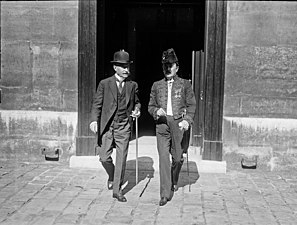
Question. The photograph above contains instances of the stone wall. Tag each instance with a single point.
(260, 101)
(39, 63)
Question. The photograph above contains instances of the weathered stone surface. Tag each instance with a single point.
(260, 81)
(24, 133)
(20, 21)
(269, 107)
(68, 79)
(66, 24)
(70, 102)
(16, 64)
(39, 74)
(251, 28)
(39, 66)
(286, 25)
(261, 71)
(273, 140)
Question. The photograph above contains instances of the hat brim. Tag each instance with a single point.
(121, 62)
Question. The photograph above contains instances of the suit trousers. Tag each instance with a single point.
(119, 134)
(169, 139)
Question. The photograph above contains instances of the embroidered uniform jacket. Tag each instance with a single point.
(182, 98)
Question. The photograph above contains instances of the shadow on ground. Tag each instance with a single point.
(145, 170)
(189, 174)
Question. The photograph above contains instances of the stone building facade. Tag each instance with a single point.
(39, 61)
(260, 97)
(38, 79)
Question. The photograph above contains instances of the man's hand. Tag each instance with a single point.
(183, 125)
(161, 112)
(135, 113)
(94, 127)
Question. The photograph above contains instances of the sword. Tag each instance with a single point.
(136, 136)
(189, 180)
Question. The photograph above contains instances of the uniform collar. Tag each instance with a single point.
(171, 79)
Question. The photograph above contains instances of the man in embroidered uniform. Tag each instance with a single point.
(172, 105)
(115, 103)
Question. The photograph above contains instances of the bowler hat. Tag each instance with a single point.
(121, 57)
(169, 56)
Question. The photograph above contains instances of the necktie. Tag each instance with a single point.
(169, 104)
(120, 86)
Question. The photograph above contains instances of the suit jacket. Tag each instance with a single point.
(105, 102)
(182, 98)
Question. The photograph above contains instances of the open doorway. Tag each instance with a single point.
(145, 29)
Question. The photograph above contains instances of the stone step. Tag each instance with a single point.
(148, 159)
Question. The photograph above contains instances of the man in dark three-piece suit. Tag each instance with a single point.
(115, 104)
(172, 105)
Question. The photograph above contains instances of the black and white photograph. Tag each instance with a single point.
(148, 112)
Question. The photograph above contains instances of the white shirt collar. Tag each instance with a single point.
(118, 77)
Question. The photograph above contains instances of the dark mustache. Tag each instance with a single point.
(167, 68)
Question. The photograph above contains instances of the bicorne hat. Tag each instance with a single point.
(169, 56)
(121, 57)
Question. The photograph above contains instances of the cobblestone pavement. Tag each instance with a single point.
(45, 194)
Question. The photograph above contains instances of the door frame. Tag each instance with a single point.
(215, 52)
(215, 45)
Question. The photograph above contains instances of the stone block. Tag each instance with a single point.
(26, 20)
(16, 64)
(288, 7)
(41, 22)
(244, 56)
(15, 24)
(252, 6)
(66, 21)
(68, 50)
(45, 64)
(256, 63)
(15, 98)
(68, 74)
(269, 107)
(70, 100)
(252, 28)
(287, 23)
(46, 98)
(238, 80)
(276, 62)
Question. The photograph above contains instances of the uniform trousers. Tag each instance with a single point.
(169, 142)
(119, 134)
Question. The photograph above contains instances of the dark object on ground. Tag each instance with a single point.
(249, 163)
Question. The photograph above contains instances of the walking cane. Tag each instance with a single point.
(188, 170)
(136, 136)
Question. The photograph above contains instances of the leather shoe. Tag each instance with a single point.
(163, 201)
(109, 185)
(119, 197)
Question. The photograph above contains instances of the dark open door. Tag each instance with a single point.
(93, 45)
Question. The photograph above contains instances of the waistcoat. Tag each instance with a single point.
(121, 113)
